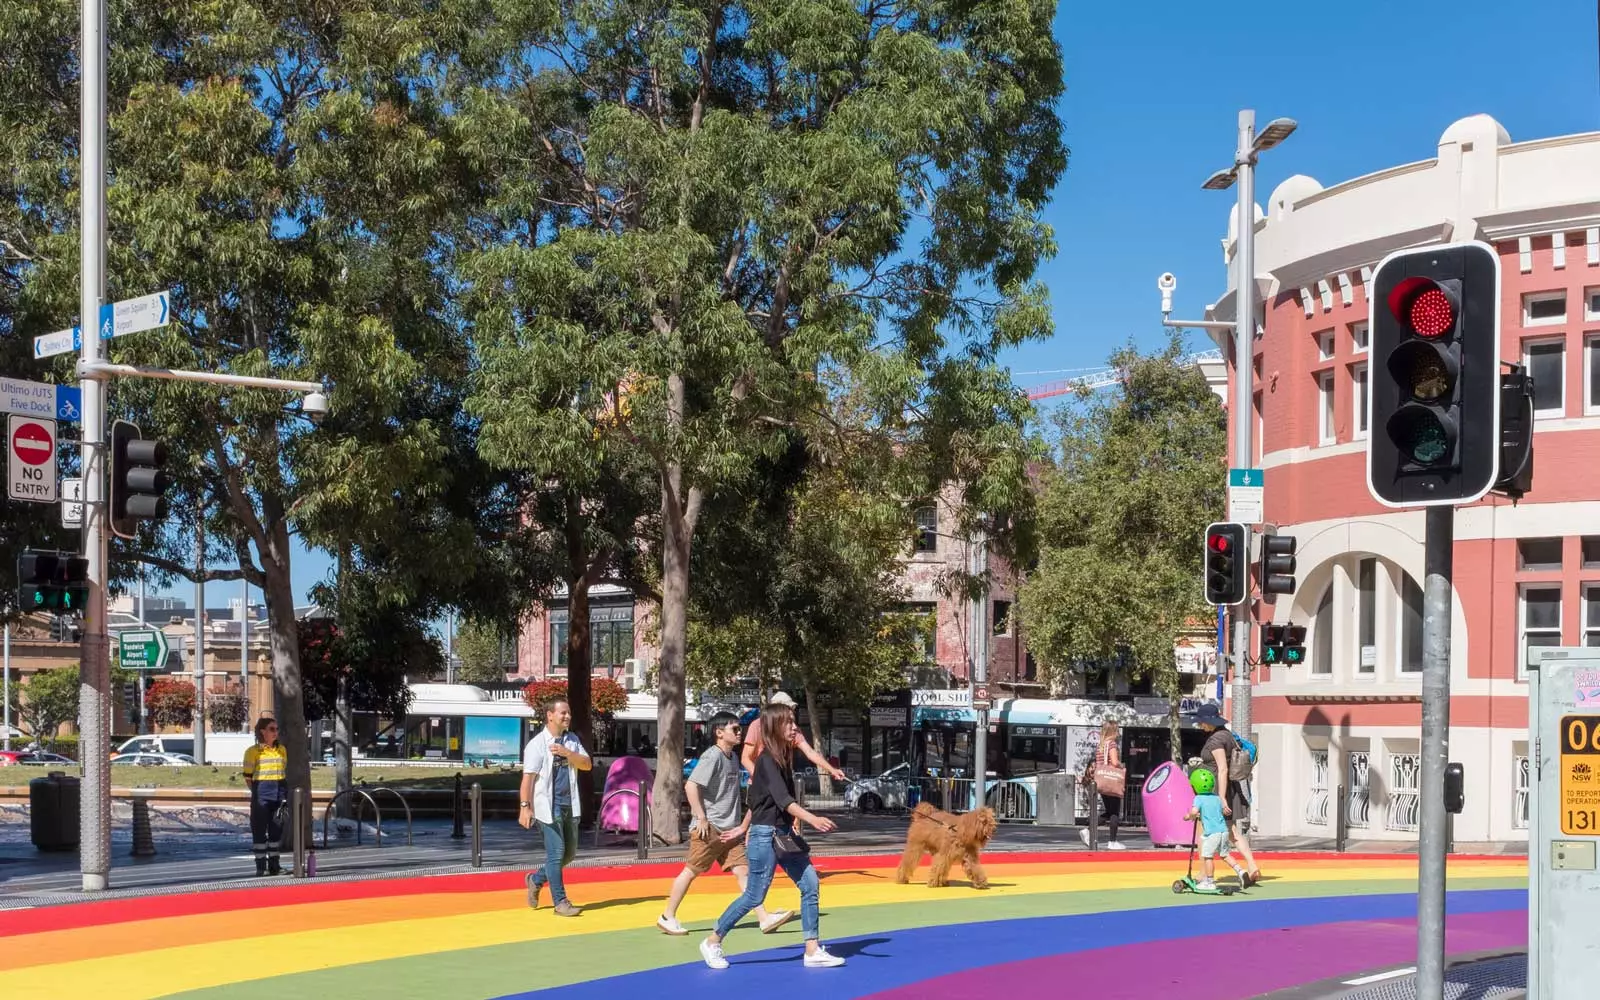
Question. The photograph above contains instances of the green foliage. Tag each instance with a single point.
(371, 646)
(481, 648)
(170, 702)
(48, 699)
(1140, 473)
(228, 712)
(606, 695)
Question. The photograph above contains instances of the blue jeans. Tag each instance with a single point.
(560, 847)
(764, 861)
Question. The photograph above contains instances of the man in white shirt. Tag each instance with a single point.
(550, 765)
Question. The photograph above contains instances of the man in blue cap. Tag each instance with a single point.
(1214, 756)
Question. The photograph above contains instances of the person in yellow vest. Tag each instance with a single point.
(266, 771)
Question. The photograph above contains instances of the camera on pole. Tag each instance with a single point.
(138, 482)
(1435, 403)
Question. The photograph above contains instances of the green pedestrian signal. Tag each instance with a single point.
(52, 581)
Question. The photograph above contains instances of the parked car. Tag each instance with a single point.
(886, 791)
(154, 759)
(8, 757)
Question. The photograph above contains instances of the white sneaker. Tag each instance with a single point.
(712, 953)
(670, 925)
(1207, 884)
(777, 920)
(1116, 845)
(820, 959)
(1083, 835)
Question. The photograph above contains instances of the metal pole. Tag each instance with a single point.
(244, 647)
(450, 649)
(144, 675)
(981, 630)
(199, 665)
(1244, 397)
(94, 851)
(1222, 656)
(477, 824)
(1439, 560)
(5, 737)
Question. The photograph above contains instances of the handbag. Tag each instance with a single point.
(1110, 781)
(787, 842)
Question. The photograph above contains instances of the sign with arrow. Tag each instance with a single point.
(41, 399)
(60, 342)
(146, 312)
(1247, 496)
(143, 649)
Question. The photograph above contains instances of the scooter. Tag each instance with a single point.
(1191, 884)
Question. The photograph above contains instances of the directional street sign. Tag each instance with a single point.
(60, 342)
(133, 315)
(143, 649)
(40, 399)
(1246, 496)
(31, 459)
(72, 503)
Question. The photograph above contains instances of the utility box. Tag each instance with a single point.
(1564, 824)
(53, 811)
(1056, 800)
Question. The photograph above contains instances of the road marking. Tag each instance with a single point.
(1379, 977)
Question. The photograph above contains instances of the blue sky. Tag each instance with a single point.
(1150, 109)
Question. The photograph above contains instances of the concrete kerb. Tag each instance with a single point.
(1484, 975)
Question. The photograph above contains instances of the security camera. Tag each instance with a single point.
(314, 406)
(1168, 282)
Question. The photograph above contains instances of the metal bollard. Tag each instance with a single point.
(644, 821)
(297, 817)
(477, 825)
(456, 832)
(1094, 820)
(1339, 821)
(143, 843)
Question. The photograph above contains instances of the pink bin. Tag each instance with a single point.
(1167, 797)
(619, 799)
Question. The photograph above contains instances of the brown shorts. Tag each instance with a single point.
(1240, 804)
(712, 849)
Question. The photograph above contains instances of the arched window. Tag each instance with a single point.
(1410, 625)
(1322, 635)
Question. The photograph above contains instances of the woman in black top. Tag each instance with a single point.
(772, 841)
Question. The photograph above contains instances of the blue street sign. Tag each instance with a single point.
(1245, 477)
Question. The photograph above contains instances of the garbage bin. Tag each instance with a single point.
(53, 811)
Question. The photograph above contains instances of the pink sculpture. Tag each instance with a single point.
(1167, 797)
(619, 799)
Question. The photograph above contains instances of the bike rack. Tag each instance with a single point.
(376, 813)
(403, 804)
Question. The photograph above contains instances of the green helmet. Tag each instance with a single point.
(1202, 781)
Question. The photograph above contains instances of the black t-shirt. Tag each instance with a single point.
(771, 794)
(1222, 740)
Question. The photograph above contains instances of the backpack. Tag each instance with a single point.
(1243, 759)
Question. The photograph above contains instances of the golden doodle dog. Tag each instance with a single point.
(949, 838)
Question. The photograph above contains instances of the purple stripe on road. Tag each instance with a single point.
(1221, 966)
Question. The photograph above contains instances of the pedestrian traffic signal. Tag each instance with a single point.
(1435, 387)
(1227, 574)
(137, 479)
(52, 581)
(1277, 564)
(1283, 645)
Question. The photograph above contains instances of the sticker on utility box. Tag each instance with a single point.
(1580, 775)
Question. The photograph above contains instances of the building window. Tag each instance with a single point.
(1325, 345)
(1405, 796)
(1002, 617)
(1030, 668)
(1358, 399)
(1546, 361)
(1544, 308)
(1591, 401)
(929, 628)
(558, 640)
(1591, 552)
(927, 528)
(1358, 337)
(1410, 625)
(1519, 791)
(1317, 801)
(1359, 804)
(1591, 615)
(1539, 554)
(1325, 420)
(610, 636)
(1591, 303)
(1322, 637)
(1541, 622)
(1367, 610)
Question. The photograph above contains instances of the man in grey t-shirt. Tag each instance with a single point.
(716, 835)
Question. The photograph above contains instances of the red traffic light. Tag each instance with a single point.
(1424, 306)
(1219, 543)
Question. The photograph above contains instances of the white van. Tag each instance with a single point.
(221, 748)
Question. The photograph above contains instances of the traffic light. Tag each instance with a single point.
(1435, 385)
(1227, 572)
(1277, 564)
(1516, 434)
(1283, 645)
(137, 479)
(52, 581)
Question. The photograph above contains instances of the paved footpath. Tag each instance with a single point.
(1099, 925)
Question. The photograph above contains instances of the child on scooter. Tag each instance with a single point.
(1214, 826)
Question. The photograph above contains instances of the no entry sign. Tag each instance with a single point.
(31, 459)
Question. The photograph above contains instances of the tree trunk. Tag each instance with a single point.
(1174, 731)
(286, 681)
(824, 779)
(670, 692)
(580, 675)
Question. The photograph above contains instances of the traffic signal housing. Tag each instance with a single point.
(52, 581)
(1227, 565)
(1277, 564)
(138, 482)
(1283, 645)
(1434, 413)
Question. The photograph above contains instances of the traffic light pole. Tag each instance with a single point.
(1433, 838)
(94, 693)
(1244, 355)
